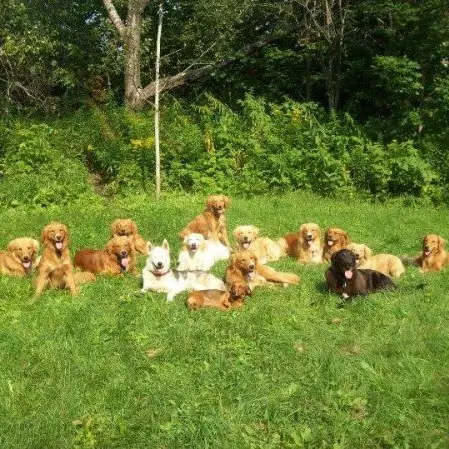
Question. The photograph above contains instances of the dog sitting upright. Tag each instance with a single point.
(158, 276)
(433, 256)
(305, 246)
(344, 278)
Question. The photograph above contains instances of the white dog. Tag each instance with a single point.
(200, 254)
(158, 276)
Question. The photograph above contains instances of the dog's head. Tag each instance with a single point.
(24, 250)
(158, 260)
(432, 244)
(336, 237)
(217, 204)
(122, 248)
(362, 252)
(310, 233)
(245, 235)
(55, 235)
(194, 242)
(123, 226)
(245, 261)
(238, 290)
(343, 263)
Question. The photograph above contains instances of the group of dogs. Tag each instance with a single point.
(353, 270)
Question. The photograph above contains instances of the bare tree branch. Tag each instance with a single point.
(114, 16)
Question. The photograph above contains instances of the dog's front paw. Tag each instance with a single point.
(345, 295)
(143, 290)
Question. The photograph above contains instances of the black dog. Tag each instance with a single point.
(343, 276)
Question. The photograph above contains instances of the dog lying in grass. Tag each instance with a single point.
(19, 257)
(265, 249)
(433, 256)
(158, 276)
(305, 246)
(217, 299)
(197, 253)
(212, 222)
(334, 240)
(385, 263)
(245, 268)
(117, 257)
(344, 278)
(55, 266)
(127, 227)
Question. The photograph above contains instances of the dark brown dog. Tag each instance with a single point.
(344, 278)
(230, 299)
(117, 257)
(212, 222)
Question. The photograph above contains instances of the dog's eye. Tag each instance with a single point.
(20, 249)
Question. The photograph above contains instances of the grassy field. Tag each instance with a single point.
(112, 368)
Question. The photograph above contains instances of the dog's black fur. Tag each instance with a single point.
(362, 282)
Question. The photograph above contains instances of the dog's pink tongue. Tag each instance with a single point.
(125, 261)
(26, 264)
(330, 242)
(427, 253)
(348, 274)
(58, 245)
(246, 245)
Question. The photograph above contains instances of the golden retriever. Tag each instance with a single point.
(265, 249)
(127, 227)
(217, 299)
(212, 222)
(305, 246)
(433, 256)
(334, 240)
(385, 263)
(55, 267)
(117, 257)
(244, 267)
(19, 257)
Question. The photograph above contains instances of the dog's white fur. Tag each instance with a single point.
(158, 276)
(200, 254)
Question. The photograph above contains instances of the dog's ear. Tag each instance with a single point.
(165, 245)
(109, 246)
(227, 201)
(256, 231)
(149, 245)
(44, 235)
(367, 251)
(114, 227)
(67, 235)
(441, 242)
(12, 246)
(236, 232)
(35, 244)
(345, 239)
(133, 227)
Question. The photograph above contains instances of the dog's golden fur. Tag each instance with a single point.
(305, 246)
(217, 299)
(433, 256)
(55, 267)
(19, 257)
(244, 267)
(117, 257)
(385, 263)
(128, 227)
(334, 240)
(212, 222)
(265, 249)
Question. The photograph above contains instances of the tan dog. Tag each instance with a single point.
(334, 240)
(305, 246)
(217, 299)
(55, 267)
(117, 257)
(212, 222)
(265, 249)
(244, 267)
(433, 256)
(385, 263)
(19, 257)
(127, 227)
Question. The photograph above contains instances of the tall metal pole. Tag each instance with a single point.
(156, 104)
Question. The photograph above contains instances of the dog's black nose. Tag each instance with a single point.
(124, 253)
(426, 248)
(251, 267)
(26, 258)
(159, 264)
(245, 239)
(58, 237)
(193, 245)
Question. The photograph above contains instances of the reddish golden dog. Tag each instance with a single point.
(127, 227)
(244, 268)
(117, 257)
(217, 299)
(334, 240)
(305, 246)
(212, 222)
(19, 257)
(55, 267)
(433, 256)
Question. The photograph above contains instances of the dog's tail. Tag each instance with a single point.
(270, 274)
(83, 277)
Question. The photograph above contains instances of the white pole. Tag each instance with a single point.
(156, 105)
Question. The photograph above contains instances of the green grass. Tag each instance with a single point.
(112, 368)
